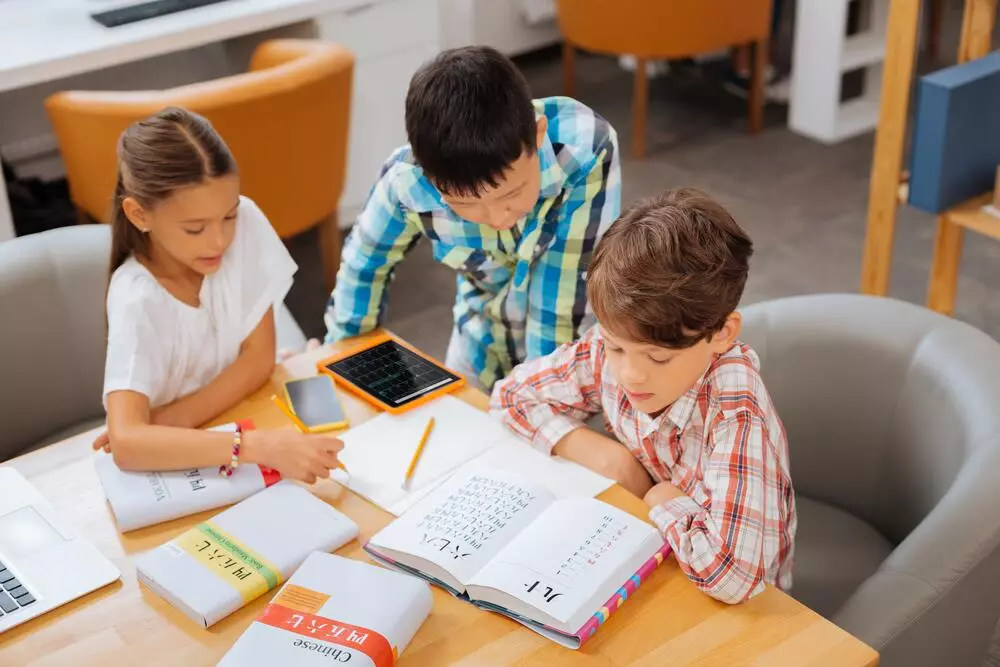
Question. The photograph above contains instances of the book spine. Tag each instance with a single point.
(627, 589)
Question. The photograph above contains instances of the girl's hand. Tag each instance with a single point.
(300, 456)
(103, 441)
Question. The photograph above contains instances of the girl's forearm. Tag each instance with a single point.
(151, 447)
(247, 374)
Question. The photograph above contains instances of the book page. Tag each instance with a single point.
(557, 565)
(463, 523)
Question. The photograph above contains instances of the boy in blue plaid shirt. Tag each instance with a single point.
(513, 194)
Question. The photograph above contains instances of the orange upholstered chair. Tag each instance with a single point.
(661, 29)
(286, 122)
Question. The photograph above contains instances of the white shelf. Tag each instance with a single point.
(861, 51)
(822, 53)
(856, 117)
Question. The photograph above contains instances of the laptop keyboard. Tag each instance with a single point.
(13, 595)
(113, 18)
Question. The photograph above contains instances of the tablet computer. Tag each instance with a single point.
(314, 401)
(390, 374)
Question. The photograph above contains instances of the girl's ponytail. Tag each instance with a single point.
(126, 239)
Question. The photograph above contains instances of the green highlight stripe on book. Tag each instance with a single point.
(238, 566)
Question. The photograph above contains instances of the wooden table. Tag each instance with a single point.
(668, 622)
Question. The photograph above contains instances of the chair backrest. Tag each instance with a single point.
(885, 403)
(662, 28)
(286, 123)
(52, 340)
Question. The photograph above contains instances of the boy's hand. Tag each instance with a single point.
(285, 354)
(606, 457)
(661, 493)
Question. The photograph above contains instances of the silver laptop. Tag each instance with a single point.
(43, 563)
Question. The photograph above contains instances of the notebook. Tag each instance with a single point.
(560, 566)
(333, 611)
(379, 451)
(222, 564)
(140, 499)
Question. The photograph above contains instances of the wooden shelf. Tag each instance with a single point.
(969, 214)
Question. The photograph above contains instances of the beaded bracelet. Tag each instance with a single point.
(234, 463)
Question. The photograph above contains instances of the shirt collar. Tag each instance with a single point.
(552, 172)
(680, 411)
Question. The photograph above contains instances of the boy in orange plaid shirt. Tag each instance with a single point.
(697, 435)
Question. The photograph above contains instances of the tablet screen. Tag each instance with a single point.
(392, 373)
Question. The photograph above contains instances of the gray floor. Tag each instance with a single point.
(803, 203)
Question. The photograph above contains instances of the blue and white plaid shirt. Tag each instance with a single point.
(521, 292)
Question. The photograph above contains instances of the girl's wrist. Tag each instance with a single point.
(253, 448)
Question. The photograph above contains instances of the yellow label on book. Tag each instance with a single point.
(301, 599)
(232, 562)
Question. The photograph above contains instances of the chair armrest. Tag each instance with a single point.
(942, 582)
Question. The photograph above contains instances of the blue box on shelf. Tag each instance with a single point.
(955, 148)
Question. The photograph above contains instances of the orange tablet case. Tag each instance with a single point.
(381, 405)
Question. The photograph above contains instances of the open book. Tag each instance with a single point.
(508, 545)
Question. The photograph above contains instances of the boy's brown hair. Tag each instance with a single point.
(670, 270)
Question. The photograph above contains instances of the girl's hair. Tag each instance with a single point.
(157, 156)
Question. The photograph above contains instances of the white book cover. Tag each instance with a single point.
(140, 499)
(335, 610)
(222, 564)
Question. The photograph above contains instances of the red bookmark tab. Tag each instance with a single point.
(352, 637)
(271, 476)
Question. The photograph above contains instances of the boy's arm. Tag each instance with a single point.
(558, 292)
(721, 549)
(546, 399)
(379, 240)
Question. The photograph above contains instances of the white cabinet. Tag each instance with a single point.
(390, 39)
(510, 26)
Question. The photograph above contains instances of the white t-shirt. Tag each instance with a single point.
(164, 348)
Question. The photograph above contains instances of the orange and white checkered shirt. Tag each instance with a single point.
(722, 444)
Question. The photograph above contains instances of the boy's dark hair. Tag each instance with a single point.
(469, 116)
(670, 270)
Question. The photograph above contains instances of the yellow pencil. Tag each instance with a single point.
(298, 423)
(420, 449)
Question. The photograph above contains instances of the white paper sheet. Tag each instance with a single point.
(378, 452)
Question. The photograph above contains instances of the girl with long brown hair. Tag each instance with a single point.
(196, 271)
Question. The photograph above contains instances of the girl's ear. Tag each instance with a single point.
(135, 213)
(727, 335)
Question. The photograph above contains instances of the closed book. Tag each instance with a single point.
(140, 499)
(222, 564)
(335, 610)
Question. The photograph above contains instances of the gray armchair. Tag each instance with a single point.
(52, 335)
(893, 421)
